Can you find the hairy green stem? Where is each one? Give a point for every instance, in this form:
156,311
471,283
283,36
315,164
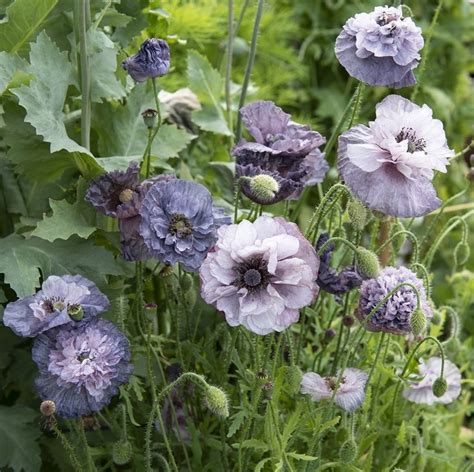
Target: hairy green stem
228,68
68,447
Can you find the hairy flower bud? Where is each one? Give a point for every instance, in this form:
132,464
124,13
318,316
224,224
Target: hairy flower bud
122,452
357,214
48,408
440,386
417,322
367,262
216,401
348,451
264,186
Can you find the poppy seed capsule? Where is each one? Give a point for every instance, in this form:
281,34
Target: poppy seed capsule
348,321
330,333
48,408
150,118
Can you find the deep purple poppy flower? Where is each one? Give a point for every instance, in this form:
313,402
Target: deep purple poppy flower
69,299
395,314
286,151
380,48
152,60
389,165
81,369
179,222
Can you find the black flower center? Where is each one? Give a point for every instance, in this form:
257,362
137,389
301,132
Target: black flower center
180,226
414,143
82,356
53,304
252,274
331,382
385,19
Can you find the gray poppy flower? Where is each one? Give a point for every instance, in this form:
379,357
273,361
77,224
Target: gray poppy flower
380,48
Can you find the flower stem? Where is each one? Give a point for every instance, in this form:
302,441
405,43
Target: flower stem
249,67
228,69
82,24
69,449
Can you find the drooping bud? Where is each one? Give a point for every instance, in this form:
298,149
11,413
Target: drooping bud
126,195
264,186
216,401
357,214
150,118
440,386
48,408
367,262
75,312
417,322
122,452
348,451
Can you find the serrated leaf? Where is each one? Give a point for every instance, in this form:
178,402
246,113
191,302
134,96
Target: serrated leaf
237,421
24,20
207,84
21,260
66,220
301,457
18,447
13,71
123,133
43,99
103,64
260,465
256,444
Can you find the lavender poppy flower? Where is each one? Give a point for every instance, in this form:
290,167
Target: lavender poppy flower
260,274
152,60
61,300
389,165
421,391
394,315
284,150
81,369
380,48
349,395
329,279
179,222
114,190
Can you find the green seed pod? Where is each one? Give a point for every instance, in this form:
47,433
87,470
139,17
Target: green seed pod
348,451
122,452
126,195
216,401
75,312
367,262
440,386
357,214
264,186
48,408
417,322
150,118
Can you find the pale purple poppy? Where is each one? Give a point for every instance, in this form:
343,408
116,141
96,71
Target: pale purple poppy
151,61
394,315
260,274
68,299
179,222
81,369
390,164
349,394
421,391
381,47
283,149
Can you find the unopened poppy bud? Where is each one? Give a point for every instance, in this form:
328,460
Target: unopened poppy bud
348,451
122,452
417,322
367,262
357,214
48,408
440,386
264,186
216,401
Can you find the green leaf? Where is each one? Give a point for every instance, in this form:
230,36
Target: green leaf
207,84
18,447
24,19
123,133
256,444
260,465
103,64
23,260
13,71
301,457
66,220
237,421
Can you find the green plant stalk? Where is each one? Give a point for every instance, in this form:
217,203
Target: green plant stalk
249,67
68,447
82,436
228,68
82,24
414,241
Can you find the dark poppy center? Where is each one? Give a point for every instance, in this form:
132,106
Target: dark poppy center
385,19
82,356
180,226
414,143
252,278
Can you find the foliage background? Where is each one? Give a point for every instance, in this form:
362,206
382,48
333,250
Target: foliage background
46,228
